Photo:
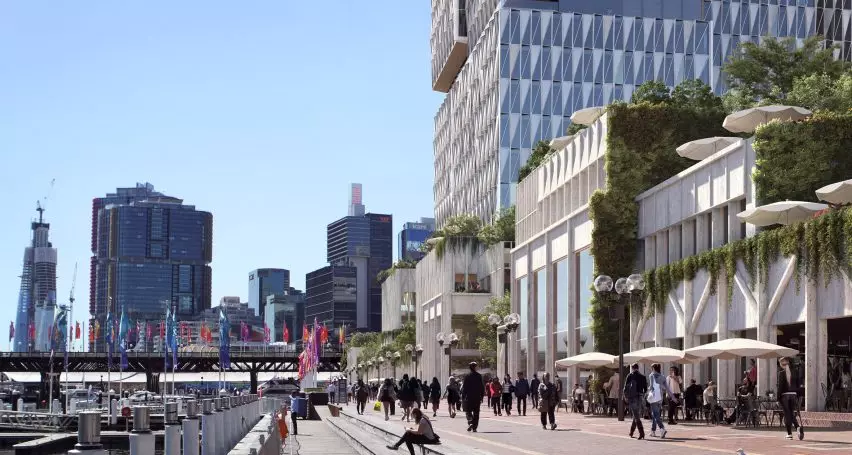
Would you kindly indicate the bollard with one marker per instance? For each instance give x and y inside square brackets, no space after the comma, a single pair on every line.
[88,434]
[208,441]
[228,422]
[190,428]
[171,439]
[113,411]
[141,438]
[219,415]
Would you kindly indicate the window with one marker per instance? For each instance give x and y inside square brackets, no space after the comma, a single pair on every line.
[523,307]
[560,293]
[584,279]
[541,319]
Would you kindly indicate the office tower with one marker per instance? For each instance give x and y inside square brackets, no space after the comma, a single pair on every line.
[515,70]
[356,208]
[285,309]
[332,297]
[366,243]
[149,251]
[262,284]
[37,298]
[411,238]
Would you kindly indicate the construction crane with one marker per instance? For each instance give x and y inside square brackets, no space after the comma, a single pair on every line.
[42,206]
[73,286]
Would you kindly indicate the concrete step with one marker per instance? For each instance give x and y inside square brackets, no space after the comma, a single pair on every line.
[363,443]
[391,431]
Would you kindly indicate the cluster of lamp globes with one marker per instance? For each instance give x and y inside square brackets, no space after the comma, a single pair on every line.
[633,283]
[511,321]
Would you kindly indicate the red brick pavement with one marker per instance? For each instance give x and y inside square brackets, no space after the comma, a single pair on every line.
[602,435]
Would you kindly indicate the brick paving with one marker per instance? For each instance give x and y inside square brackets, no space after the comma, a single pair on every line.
[594,435]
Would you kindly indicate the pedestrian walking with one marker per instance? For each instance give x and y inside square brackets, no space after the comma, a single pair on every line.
[496,394]
[435,395]
[547,402]
[425,387]
[656,386]
[422,434]
[522,389]
[406,396]
[788,385]
[331,388]
[387,396]
[534,390]
[472,392]
[453,395]
[507,388]
[675,383]
[612,386]
[635,387]
[362,393]
[418,392]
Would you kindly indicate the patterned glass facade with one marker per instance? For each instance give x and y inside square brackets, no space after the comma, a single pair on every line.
[262,284]
[535,62]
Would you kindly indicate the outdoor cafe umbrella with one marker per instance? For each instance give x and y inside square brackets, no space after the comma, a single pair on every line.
[733,348]
[838,193]
[783,212]
[747,120]
[657,354]
[588,115]
[589,360]
[702,148]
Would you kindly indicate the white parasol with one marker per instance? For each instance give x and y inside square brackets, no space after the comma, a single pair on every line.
[747,120]
[733,348]
[784,212]
[589,360]
[836,193]
[702,148]
[588,115]
[657,354]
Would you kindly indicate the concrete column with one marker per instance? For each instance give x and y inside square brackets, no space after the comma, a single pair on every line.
[550,302]
[766,333]
[190,429]
[734,231]
[702,233]
[141,438]
[719,226]
[690,371]
[723,366]
[816,350]
[208,429]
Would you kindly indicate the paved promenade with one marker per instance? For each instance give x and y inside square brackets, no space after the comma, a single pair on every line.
[316,438]
[601,435]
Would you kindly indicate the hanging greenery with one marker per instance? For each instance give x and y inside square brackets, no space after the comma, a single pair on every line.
[641,143]
[823,247]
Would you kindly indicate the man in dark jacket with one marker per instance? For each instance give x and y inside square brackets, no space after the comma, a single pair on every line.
[635,387]
[788,388]
[534,390]
[522,389]
[472,392]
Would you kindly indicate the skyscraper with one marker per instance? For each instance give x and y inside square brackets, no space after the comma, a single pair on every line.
[331,297]
[37,298]
[515,70]
[411,238]
[356,208]
[149,251]
[262,284]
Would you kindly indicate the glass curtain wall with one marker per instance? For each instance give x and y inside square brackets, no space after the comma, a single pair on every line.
[585,268]
[523,340]
[560,295]
[541,320]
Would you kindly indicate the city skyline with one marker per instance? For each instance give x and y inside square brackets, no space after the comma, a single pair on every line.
[212,117]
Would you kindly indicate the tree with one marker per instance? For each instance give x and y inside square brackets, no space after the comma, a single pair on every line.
[575,128]
[501,230]
[695,94]
[541,151]
[487,340]
[767,71]
[654,92]
[823,92]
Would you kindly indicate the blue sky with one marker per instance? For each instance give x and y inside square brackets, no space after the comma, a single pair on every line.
[261,112]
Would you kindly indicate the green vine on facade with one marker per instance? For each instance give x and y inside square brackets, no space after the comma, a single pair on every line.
[822,246]
[467,232]
[641,144]
[400,264]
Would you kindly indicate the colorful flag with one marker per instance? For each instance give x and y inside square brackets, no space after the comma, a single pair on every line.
[265,333]
[341,334]
[305,334]
[123,333]
[286,337]
[77,331]
[11,330]
[323,334]
[224,340]
[31,333]
[97,329]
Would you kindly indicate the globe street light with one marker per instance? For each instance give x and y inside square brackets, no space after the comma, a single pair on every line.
[396,356]
[450,341]
[626,290]
[510,324]
[380,361]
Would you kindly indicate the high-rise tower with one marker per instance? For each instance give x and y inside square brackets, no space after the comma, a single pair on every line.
[37,299]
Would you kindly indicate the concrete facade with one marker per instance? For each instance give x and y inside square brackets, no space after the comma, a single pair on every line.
[399,299]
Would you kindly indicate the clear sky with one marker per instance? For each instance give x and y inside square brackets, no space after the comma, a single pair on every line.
[261,112]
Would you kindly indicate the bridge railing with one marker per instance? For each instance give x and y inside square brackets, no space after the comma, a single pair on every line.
[36,421]
[191,351]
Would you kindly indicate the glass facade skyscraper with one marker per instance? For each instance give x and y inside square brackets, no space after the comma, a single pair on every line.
[515,70]
[149,251]
[37,298]
[412,237]
[331,297]
[262,284]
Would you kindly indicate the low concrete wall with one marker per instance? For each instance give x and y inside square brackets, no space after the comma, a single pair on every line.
[263,439]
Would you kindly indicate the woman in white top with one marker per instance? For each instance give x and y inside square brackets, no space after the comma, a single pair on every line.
[423,434]
[675,383]
[331,389]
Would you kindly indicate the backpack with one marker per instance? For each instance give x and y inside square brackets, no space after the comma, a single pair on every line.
[631,389]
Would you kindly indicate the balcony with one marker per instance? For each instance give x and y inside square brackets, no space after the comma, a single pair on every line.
[443,81]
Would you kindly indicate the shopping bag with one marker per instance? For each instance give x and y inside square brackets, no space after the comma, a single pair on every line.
[377,406]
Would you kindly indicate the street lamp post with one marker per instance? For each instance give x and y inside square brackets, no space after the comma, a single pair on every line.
[396,356]
[510,323]
[369,369]
[625,291]
[451,341]
[380,361]
[415,352]
[494,322]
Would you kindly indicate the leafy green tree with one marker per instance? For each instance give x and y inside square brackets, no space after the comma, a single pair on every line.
[654,92]
[695,94]
[575,128]
[541,151]
[767,71]
[487,340]
[501,230]
[823,92]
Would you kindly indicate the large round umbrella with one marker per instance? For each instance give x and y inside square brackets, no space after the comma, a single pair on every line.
[588,115]
[746,121]
[784,212]
[702,148]
[589,360]
[733,348]
[657,354]
[836,193]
